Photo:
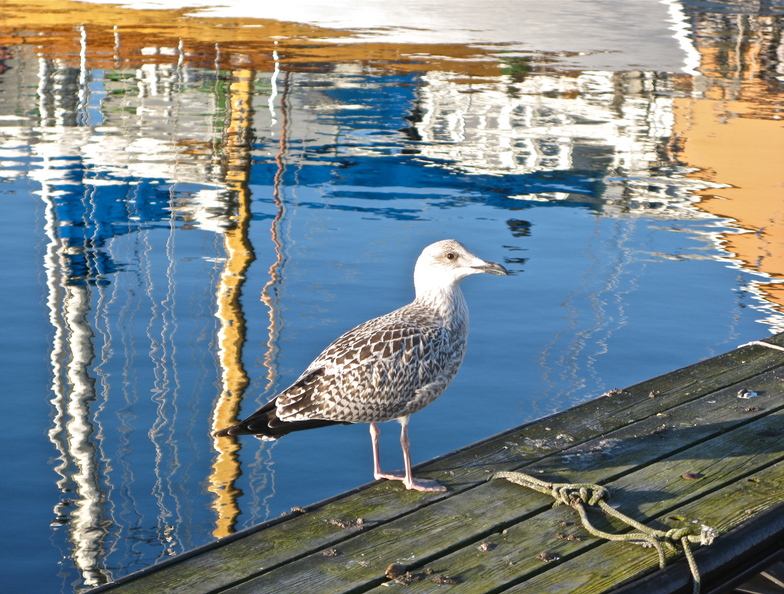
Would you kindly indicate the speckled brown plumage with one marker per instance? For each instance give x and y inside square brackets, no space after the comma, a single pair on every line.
[387,368]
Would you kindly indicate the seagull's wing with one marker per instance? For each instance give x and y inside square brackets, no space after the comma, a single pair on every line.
[376,372]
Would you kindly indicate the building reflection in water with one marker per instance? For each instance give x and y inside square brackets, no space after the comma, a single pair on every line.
[134,140]
[730,130]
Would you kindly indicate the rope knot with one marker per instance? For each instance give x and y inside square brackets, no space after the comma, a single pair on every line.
[677,534]
[572,495]
[598,494]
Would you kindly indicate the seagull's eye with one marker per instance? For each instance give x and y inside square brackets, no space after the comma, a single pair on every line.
[451,256]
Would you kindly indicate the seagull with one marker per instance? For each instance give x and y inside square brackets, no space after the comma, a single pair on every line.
[387,368]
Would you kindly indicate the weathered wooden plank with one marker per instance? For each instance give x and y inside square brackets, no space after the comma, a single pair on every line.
[461,521]
[259,551]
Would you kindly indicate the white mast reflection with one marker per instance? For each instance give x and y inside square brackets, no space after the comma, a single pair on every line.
[75,424]
[263,464]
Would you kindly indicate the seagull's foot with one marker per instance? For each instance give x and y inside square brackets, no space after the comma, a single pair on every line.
[424,485]
[412,484]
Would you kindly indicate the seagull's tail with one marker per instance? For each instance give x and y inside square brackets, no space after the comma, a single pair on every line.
[266,425]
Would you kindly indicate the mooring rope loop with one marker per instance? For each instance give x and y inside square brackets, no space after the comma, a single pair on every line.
[762,343]
[578,495]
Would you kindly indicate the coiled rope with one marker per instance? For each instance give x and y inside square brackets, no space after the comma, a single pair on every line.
[578,495]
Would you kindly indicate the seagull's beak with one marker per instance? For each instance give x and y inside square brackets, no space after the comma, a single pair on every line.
[491,268]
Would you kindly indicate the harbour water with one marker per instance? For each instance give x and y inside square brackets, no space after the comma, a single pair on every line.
[198,200]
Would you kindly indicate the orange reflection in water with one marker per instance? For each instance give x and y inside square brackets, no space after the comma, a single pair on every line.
[733,133]
[243,42]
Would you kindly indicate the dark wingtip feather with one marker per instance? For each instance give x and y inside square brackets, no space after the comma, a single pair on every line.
[265,423]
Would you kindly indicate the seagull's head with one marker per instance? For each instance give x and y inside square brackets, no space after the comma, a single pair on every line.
[445,263]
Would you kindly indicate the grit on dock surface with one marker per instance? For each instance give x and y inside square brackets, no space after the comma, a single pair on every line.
[700,445]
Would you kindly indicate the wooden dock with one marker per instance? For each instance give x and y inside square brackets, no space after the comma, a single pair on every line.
[703,445]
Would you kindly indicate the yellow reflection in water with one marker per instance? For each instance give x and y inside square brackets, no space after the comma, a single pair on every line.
[240,255]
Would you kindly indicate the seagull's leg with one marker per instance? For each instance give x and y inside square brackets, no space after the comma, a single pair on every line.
[377,474]
[409,481]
